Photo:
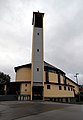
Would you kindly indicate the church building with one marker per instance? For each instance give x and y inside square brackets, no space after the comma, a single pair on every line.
[39,79]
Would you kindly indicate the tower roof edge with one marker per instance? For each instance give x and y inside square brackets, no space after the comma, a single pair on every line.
[36,13]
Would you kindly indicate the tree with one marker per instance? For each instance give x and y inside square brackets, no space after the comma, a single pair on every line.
[4,80]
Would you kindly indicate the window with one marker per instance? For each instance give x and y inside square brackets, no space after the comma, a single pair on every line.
[59,78]
[38,20]
[60,88]
[25,90]
[37,33]
[37,69]
[47,76]
[48,86]
[69,88]
[64,79]
[25,85]
[64,87]
[37,50]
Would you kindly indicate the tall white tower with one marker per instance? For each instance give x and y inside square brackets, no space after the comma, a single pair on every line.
[37,56]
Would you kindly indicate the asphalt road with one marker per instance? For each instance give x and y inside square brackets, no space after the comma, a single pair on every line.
[36,110]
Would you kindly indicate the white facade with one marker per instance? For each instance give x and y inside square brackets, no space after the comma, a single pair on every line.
[37,55]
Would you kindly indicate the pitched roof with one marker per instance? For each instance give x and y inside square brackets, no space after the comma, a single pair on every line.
[46,65]
[53,67]
[21,66]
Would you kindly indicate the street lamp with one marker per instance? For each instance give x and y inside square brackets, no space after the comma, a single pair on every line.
[76,76]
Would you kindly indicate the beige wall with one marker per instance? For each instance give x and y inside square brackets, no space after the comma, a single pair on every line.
[25,89]
[75,86]
[53,77]
[23,74]
[55,92]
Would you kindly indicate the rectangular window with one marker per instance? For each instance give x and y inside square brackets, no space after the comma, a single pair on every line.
[37,69]
[47,76]
[60,88]
[69,88]
[38,20]
[37,33]
[25,85]
[48,86]
[64,87]
[37,50]
[64,79]
[59,78]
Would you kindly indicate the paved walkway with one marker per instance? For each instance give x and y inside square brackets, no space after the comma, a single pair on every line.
[29,110]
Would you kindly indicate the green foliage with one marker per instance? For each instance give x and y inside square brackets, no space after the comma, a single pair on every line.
[2,92]
[4,78]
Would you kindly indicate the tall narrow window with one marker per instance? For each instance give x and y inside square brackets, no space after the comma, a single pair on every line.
[59,78]
[38,20]
[60,88]
[64,80]
[37,50]
[68,88]
[64,87]
[47,76]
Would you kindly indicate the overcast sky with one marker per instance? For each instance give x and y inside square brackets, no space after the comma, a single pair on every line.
[63,34]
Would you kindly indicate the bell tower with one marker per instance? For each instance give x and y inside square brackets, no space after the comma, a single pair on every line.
[37,56]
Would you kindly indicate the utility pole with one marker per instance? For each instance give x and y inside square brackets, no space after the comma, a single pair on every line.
[76,76]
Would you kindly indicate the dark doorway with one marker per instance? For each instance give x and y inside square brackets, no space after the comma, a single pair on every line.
[13,88]
[37,93]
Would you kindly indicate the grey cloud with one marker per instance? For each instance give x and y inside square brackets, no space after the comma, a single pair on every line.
[63,34]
